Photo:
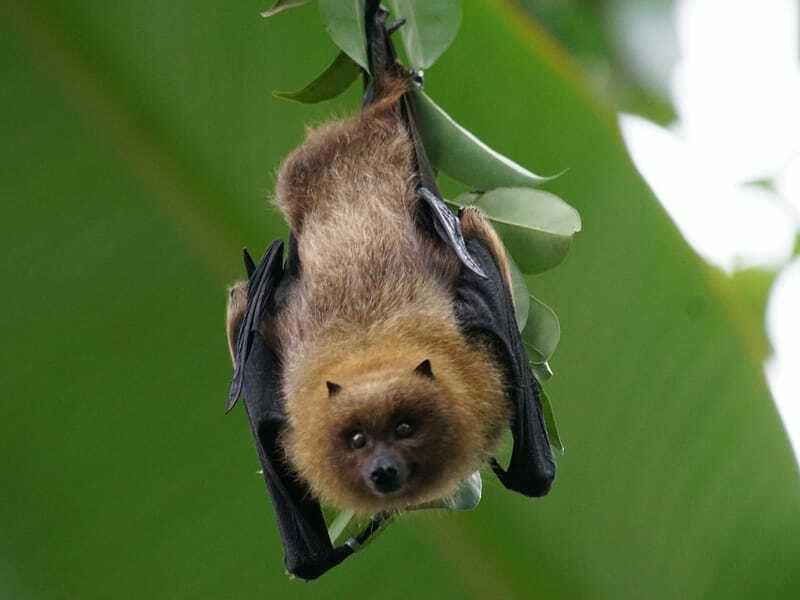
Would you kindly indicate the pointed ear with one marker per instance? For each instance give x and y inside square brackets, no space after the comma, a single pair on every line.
[333,388]
[424,369]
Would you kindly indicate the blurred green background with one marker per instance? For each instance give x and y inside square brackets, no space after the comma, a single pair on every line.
[139,141]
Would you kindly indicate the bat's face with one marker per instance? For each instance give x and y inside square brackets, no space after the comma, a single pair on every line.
[389,456]
[385,443]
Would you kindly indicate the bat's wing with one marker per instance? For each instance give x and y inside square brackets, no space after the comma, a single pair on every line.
[308,551]
[262,284]
[485,310]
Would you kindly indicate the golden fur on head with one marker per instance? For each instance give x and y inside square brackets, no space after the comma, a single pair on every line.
[457,414]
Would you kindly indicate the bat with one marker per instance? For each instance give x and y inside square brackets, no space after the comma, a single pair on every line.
[381,361]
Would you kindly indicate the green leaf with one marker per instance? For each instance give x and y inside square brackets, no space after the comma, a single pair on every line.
[542,370]
[430,27]
[466,497]
[345,524]
[537,227]
[543,331]
[333,81]
[339,524]
[463,156]
[282,5]
[550,422]
[344,22]
[519,290]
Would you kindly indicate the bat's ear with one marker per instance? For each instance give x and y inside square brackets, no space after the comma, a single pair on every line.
[424,369]
[333,388]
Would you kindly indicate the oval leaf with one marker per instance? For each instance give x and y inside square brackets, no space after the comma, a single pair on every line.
[537,227]
[346,524]
[339,524]
[463,156]
[542,332]
[430,27]
[467,496]
[519,290]
[282,5]
[550,422]
[344,22]
[334,80]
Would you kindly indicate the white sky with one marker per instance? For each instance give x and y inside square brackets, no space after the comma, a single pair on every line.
[736,88]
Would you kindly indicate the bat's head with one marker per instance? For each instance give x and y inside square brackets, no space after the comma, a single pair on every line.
[389,440]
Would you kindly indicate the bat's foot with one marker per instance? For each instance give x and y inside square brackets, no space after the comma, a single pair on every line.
[380,51]
[475,225]
[237,304]
[395,26]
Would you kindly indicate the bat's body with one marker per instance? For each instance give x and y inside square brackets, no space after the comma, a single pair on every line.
[375,298]
[381,363]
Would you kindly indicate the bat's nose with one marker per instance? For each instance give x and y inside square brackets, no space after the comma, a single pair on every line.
[385,475]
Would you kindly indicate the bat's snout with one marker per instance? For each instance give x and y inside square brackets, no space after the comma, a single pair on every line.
[387,473]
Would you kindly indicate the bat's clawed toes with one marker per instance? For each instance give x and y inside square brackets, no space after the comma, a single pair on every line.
[395,26]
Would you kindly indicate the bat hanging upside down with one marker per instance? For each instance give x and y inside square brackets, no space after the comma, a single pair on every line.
[382,362]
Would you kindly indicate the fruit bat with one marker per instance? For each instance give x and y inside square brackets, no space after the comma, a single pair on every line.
[381,360]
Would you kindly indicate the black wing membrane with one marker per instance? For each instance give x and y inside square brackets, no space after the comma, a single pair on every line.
[262,284]
[485,310]
[308,552]
[307,548]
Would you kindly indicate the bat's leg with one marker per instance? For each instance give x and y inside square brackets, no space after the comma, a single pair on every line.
[475,225]
[237,304]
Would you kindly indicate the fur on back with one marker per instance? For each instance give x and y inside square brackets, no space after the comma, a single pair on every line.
[348,195]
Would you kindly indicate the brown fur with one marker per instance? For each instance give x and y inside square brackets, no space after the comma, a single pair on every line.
[237,304]
[474,224]
[374,300]
[375,369]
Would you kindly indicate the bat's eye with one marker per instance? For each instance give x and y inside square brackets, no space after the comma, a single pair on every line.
[403,430]
[357,440]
